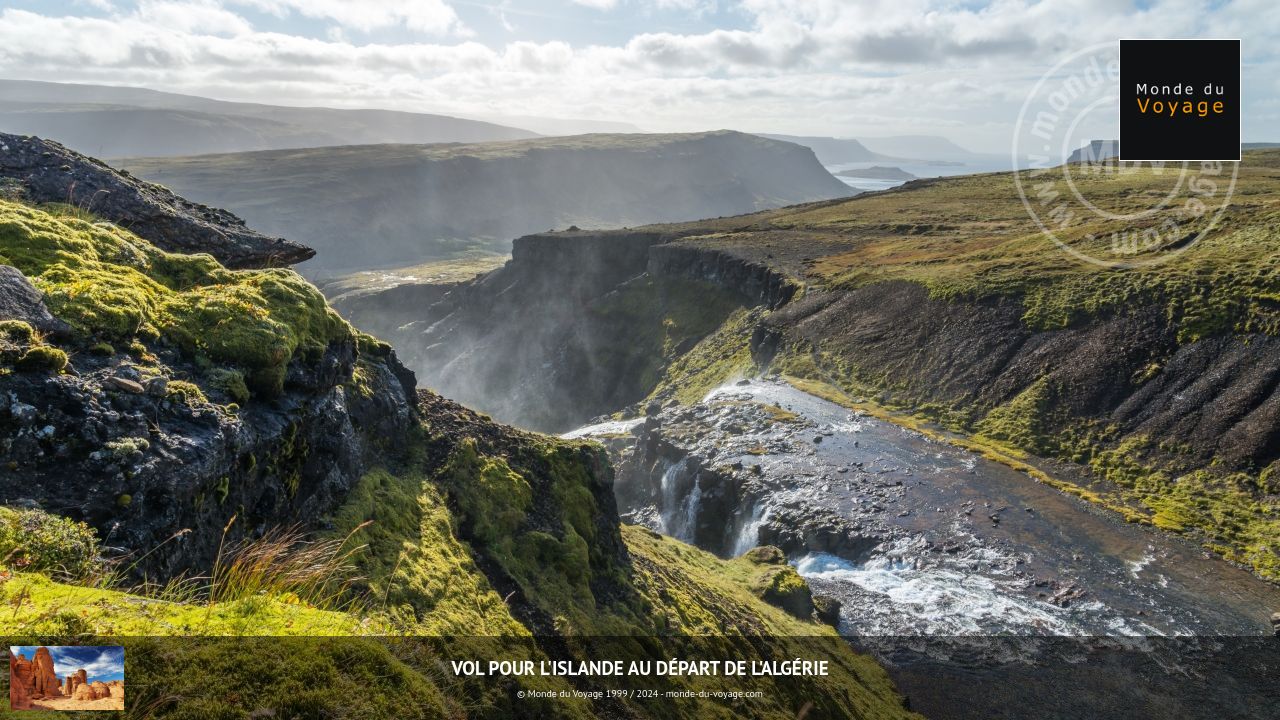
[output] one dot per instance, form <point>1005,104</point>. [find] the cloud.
<point>192,16</point>
<point>597,4</point>
<point>801,66</point>
<point>426,16</point>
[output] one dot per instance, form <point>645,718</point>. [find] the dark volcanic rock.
<point>20,300</point>
<point>1214,398</point>
<point>157,448</point>
<point>48,172</point>
<point>143,467</point>
<point>546,341</point>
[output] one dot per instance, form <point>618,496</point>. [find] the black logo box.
<point>1180,65</point>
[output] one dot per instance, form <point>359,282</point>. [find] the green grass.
<point>414,568</point>
<point>112,286</point>
<point>721,356</point>
<point>35,605</point>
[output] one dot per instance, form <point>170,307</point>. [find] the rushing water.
<point>971,547</point>
<point>604,429</point>
<point>982,592</point>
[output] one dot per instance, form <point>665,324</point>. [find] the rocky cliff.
<point>42,171</point>
<point>575,325</point>
<point>378,206</point>
<point>224,434</point>
<point>578,323</point>
<point>136,417</point>
<point>1151,391</point>
<point>151,393</point>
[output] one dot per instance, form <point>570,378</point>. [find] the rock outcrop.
<point>21,673</point>
<point>44,681</point>
<point>144,435</point>
<point>42,171</point>
<point>32,679</point>
<point>19,697</point>
<point>20,300</point>
<point>74,681</point>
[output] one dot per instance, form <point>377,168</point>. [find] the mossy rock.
<point>1269,479</point>
<point>112,286</point>
<point>784,588</point>
<point>766,555</point>
<point>184,391</point>
<point>370,345</point>
<point>17,331</point>
<point>230,382</point>
<point>42,358</point>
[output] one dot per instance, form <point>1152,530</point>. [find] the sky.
<point>839,68</point>
<point>101,664</point>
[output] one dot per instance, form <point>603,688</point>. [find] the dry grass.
<point>284,563</point>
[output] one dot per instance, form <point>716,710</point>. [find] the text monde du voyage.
<point>1181,99</point>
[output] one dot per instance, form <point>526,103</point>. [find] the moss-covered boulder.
<point>197,391</point>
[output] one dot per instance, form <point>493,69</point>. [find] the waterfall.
<point>670,491</point>
<point>749,534</point>
<point>688,528</point>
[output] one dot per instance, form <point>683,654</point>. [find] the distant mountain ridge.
<point>107,121</point>
<point>932,149</point>
<point>379,206</point>
<point>830,150</point>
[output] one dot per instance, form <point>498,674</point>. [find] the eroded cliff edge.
<point>162,414</point>
<point>1152,391</point>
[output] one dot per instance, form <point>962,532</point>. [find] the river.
<point>935,543</point>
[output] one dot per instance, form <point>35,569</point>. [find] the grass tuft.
<point>283,563</point>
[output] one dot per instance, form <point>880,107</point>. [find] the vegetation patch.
<point>112,286</point>
<point>42,358</point>
<point>37,541</point>
<point>716,359</point>
<point>414,567</point>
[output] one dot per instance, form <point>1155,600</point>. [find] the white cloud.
<point>801,66</point>
<point>597,4</point>
<point>192,16</point>
<point>426,16</point>
<point>104,664</point>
